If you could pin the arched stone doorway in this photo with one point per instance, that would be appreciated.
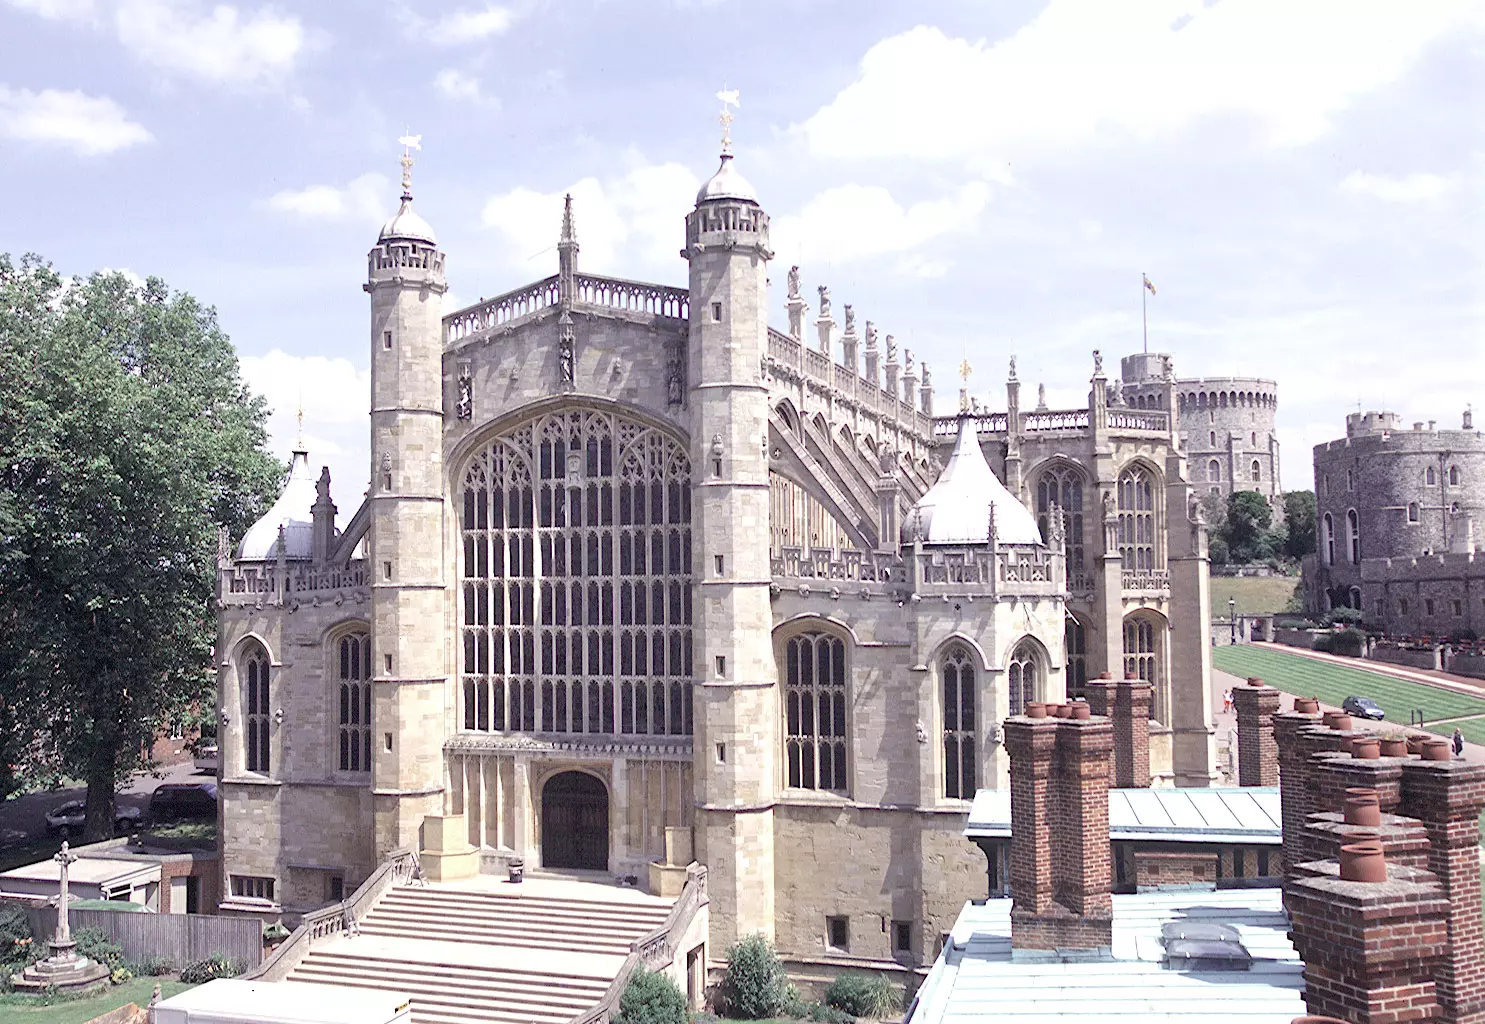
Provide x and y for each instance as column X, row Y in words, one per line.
column 574, row 822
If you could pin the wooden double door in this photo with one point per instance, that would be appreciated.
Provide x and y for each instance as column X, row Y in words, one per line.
column 574, row 822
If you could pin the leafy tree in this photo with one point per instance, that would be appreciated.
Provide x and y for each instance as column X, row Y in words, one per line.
column 1248, row 519
column 652, row 998
column 755, row 986
column 1299, row 521
column 127, row 438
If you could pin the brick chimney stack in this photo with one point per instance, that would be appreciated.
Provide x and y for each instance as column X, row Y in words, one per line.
column 1127, row 704
column 1258, row 753
column 1060, row 870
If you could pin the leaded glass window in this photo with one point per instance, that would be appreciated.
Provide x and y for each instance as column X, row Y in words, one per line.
column 1063, row 487
column 576, row 579
column 815, row 711
column 1023, row 678
column 1138, row 547
column 353, row 664
column 257, row 719
column 961, row 771
column 1076, row 636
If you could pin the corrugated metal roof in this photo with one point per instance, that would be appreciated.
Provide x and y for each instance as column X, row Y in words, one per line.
column 976, row 977
column 1247, row 814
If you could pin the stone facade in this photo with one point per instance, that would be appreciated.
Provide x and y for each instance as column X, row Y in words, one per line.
column 632, row 561
column 1396, row 508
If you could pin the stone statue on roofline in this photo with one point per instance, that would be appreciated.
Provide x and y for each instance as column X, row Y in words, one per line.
column 891, row 349
column 794, row 281
column 824, row 302
column 871, row 336
column 850, row 319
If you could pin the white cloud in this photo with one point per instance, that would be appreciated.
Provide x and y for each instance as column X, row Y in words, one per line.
column 860, row 222
column 89, row 125
column 1087, row 72
column 635, row 217
column 223, row 46
column 1415, row 188
column 466, row 25
column 366, row 198
column 56, row 10
column 335, row 395
column 456, row 85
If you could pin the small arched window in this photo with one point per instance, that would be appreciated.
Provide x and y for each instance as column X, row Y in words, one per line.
column 1257, row 471
column 1076, row 639
column 1353, row 535
column 1350, row 480
column 1453, row 476
column 1412, row 512
column 354, row 702
column 1214, row 471
column 961, row 770
column 1212, row 438
column 1328, row 525
column 1430, row 477
column 257, row 718
column 1023, row 677
column 815, row 711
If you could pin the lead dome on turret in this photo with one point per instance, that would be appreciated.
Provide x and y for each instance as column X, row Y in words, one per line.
column 290, row 515
column 727, row 183
column 957, row 509
column 407, row 226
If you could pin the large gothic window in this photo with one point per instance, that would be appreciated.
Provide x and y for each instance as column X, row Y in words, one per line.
column 815, row 711
column 1138, row 547
column 353, row 670
column 1023, row 678
column 576, row 579
column 1076, row 637
column 961, row 771
column 257, row 718
column 1063, row 487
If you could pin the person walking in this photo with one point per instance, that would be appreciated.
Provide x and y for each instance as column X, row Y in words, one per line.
column 1458, row 742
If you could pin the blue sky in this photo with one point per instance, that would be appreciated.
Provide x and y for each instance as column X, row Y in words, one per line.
column 1302, row 179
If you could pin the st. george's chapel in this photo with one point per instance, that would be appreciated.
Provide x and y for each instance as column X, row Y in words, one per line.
column 633, row 560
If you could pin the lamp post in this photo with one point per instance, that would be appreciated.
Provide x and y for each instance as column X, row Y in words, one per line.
column 1232, row 617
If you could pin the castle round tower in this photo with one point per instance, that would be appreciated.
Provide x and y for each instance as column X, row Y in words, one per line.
column 405, row 541
column 1226, row 424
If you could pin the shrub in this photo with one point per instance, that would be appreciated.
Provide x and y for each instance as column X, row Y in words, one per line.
column 652, row 998
column 863, row 995
column 829, row 1015
column 95, row 944
column 1346, row 642
column 754, row 986
column 199, row 972
column 119, row 975
column 152, row 966
column 17, row 947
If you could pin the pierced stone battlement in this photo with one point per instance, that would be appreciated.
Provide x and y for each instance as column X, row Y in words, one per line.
column 403, row 256
column 590, row 290
column 251, row 583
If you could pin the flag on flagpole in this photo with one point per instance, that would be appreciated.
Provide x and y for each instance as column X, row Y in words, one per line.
column 1148, row 284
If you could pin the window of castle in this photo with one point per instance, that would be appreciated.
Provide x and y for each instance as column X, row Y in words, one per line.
column 1453, row 476
column 1328, row 529
column 1350, row 480
column 961, row 770
column 1212, row 438
column 1402, row 605
column 575, row 579
column 1141, row 654
column 257, row 719
column 1353, row 535
column 1075, row 638
column 1063, row 486
column 1257, row 471
column 1412, row 511
column 353, row 666
column 1428, row 606
column 1458, row 607
column 815, row 712
column 1137, row 536
column 1023, row 677
column 1214, row 471
column 1430, row 477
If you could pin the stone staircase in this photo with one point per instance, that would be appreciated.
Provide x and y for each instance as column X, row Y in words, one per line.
column 478, row 955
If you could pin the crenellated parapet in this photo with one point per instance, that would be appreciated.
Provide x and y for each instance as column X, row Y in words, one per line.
column 256, row 584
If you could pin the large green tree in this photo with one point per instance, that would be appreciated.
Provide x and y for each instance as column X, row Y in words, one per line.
column 1299, row 523
column 1247, row 526
column 127, row 439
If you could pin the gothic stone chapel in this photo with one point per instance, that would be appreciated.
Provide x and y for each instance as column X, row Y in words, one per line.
column 633, row 561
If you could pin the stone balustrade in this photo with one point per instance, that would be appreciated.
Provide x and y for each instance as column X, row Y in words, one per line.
column 269, row 583
column 1155, row 581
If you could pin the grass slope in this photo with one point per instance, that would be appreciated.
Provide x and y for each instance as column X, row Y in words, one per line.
column 60, row 1010
column 1254, row 595
column 1306, row 677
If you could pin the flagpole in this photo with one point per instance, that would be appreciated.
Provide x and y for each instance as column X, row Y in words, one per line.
column 1144, row 315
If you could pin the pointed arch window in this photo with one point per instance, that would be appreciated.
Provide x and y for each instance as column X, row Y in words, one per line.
column 1353, row 535
column 815, row 712
column 961, row 769
column 1328, row 528
column 1138, row 540
column 1075, row 636
column 1257, row 471
column 1453, row 476
column 353, row 664
column 1062, row 487
column 257, row 718
column 1214, row 471
column 1024, row 677
column 1143, row 657
column 1430, row 477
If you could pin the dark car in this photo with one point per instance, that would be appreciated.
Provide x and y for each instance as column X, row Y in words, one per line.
column 1363, row 707
column 183, row 801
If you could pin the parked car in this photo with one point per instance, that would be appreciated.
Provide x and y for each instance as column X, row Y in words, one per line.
column 207, row 756
column 67, row 819
column 1363, row 707
column 183, row 801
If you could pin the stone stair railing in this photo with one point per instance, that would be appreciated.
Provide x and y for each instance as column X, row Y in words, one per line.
column 654, row 951
column 400, row 867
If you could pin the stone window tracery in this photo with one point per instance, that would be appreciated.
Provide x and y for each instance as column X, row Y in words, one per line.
column 353, row 702
column 576, row 579
column 1138, row 547
column 815, row 712
column 961, row 770
column 1023, row 677
column 1063, row 486
column 257, row 719
column 1142, row 658
column 1075, row 638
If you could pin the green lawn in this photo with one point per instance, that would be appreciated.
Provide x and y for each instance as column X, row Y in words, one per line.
column 59, row 1010
column 1306, row 677
column 1255, row 595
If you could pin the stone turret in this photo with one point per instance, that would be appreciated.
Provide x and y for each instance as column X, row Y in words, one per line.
column 736, row 697
column 406, row 536
column 322, row 513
